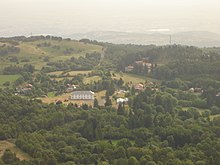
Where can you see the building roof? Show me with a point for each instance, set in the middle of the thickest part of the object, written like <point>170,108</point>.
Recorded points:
<point>122,100</point>
<point>82,93</point>
<point>130,66</point>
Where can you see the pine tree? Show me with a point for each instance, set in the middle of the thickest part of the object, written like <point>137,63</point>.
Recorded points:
<point>96,103</point>
<point>108,101</point>
<point>121,109</point>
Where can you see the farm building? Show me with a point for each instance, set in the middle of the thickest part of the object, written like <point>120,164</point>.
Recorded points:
<point>122,100</point>
<point>139,87</point>
<point>129,68</point>
<point>82,95</point>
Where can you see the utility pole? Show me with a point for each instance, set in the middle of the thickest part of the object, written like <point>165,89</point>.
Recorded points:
<point>170,39</point>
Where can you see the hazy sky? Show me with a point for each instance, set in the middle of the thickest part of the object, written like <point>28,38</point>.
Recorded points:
<point>65,17</point>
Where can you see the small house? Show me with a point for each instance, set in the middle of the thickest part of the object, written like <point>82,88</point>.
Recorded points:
<point>139,87</point>
<point>70,88</point>
<point>121,100</point>
<point>129,68</point>
<point>196,90</point>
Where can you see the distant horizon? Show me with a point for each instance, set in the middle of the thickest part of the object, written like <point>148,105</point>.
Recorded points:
<point>66,17</point>
<point>150,32</point>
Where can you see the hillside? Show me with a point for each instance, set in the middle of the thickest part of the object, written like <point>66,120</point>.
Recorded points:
<point>149,104</point>
<point>39,52</point>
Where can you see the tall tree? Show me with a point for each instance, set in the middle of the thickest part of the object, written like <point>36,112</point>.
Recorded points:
<point>96,103</point>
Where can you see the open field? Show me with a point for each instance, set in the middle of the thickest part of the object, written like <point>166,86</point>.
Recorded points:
<point>8,78</point>
<point>73,73</point>
<point>4,144</point>
<point>52,99</point>
<point>198,109</point>
<point>33,54</point>
<point>87,80</point>
<point>77,47</point>
<point>214,116</point>
<point>127,77</point>
<point>57,73</point>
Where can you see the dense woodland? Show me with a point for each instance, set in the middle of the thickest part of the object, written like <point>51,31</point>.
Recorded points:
<point>168,126</point>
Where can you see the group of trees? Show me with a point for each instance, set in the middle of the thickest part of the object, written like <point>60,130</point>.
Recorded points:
<point>6,49</point>
<point>170,125</point>
<point>90,61</point>
<point>153,130</point>
<point>15,69</point>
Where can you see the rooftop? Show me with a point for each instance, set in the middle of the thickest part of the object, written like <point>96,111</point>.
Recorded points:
<point>83,93</point>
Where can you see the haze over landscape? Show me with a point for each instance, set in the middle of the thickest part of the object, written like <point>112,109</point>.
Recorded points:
<point>109,82</point>
<point>79,16</point>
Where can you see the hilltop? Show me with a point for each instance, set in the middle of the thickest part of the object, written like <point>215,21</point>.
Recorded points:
<point>40,50</point>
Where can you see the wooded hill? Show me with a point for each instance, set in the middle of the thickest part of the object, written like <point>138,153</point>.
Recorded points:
<point>174,119</point>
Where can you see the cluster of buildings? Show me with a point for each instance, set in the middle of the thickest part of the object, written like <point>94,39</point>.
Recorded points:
<point>196,90</point>
<point>140,63</point>
<point>24,89</point>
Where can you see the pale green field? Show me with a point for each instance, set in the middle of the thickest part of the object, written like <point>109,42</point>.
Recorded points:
<point>8,145</point>
<point>214,116</point>
<point>8,78</point>
<point>30,51</point>
<point>52,99</point>
<point>198,109</point>
<point>126,77</point>
<point>78,47</point>
<point>73,73</point>
<point>57,73</point>
<point>88,80</point>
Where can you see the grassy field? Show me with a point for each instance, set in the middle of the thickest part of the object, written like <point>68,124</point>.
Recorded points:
<point>8,145</point>
<point>127,77</point>
<point>87,80</point>
<point>35,54</point>
<point>78,47</point>
<point>57,73</point>
<point>198,109</point>
<point>8,78</point>
<point>51,94</point>
<point>52,99</point>
<point>214,116</point>
<point>73,73</point>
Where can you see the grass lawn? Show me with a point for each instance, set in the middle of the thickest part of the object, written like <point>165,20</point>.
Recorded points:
<point>73,73</point>
<point>4,144</point>
<point>35,55</point>
<point>214,116</point>
<point>127,77</point>
<point>51,94</point>
<point>87,80</point>
<point>8,78</point>
<point>198,109</point>
<point>77,47</point>
<point>100,96</point>
<point>57,73</point>
<point>52,98</point>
